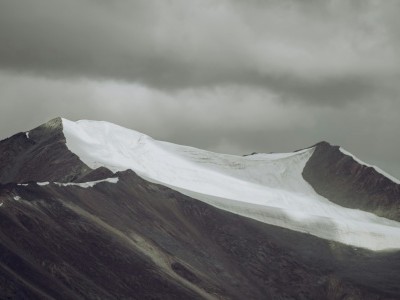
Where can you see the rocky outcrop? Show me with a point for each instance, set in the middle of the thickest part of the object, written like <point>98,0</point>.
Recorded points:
<point>41,155</point>
<point>342,180</point>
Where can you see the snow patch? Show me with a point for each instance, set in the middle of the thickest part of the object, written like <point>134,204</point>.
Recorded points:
<point>379,170</point>
<point>89,183</point>
<point>266,187</point>
<point>27,134</point>
<point>80,184</point>
<point>1,204</point>
<point>17,198</point>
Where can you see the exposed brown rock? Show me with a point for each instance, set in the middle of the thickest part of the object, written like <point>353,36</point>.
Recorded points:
<point>43,156</point>
<point>342,180</point>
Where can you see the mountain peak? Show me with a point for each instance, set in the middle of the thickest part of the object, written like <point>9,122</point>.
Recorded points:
<point>39,155</point>
<point>322,144</point>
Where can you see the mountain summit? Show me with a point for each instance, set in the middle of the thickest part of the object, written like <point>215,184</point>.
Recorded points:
<point>101,211</point>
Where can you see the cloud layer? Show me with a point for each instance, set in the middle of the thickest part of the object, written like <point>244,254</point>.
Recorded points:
<point>233,76</point>
<point>319,51</point>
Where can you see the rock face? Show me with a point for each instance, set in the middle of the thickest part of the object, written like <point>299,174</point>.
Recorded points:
<point>41,155</point>
<point>342,180</point>
<point>138,240</point>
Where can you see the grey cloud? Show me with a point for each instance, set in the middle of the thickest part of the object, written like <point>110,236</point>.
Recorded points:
<point>326,53</point>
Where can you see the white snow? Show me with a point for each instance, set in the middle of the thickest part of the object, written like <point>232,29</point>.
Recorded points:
<point>89,183</point>
<point>80,184</point>
<point>17,198</point>
<point>27,134</point>
<point>392,178</point>
<point>265,187</point>
<point>1,204</point>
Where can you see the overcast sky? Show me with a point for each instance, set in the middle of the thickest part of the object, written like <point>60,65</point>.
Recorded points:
<point>228,76</point>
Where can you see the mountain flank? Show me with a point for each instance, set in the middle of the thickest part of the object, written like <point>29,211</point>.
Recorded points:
<point>69,231</point>
<point>344,181</point>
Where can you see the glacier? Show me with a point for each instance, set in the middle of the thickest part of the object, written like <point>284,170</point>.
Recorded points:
<point>266,187</point>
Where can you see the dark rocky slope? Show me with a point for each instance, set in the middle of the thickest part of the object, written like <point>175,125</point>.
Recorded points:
<point>43,156</point>
<point>138,240</point>
<point>344,181</point>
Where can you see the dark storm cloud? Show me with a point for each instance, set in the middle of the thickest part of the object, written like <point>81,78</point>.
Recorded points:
<point>326,52</point>
<point>229,75</point>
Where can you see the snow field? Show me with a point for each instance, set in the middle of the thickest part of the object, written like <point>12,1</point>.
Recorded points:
<point>265,187</point>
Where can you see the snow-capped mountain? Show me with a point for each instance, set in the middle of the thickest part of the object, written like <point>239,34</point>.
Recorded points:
<point>77,221</point>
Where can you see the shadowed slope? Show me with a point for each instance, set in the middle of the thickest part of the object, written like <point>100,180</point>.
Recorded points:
<point>135,239</point>
<point>344,181</point>
<point>41,155</point>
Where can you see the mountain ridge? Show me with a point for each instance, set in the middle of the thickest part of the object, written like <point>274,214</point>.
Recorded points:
<point>73,144</point>
<point>55,124</point>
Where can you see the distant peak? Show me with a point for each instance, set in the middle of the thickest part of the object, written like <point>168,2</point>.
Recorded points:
<point>377,169</point>
<point>54,121</point>
<point>327,150</point>
<point>323,144</point>
<point>46,130</point>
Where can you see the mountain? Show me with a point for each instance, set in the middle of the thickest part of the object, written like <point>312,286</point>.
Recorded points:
<point>92,210</point>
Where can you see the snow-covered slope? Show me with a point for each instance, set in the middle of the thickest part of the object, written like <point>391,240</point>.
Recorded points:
<point>266,187</point>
